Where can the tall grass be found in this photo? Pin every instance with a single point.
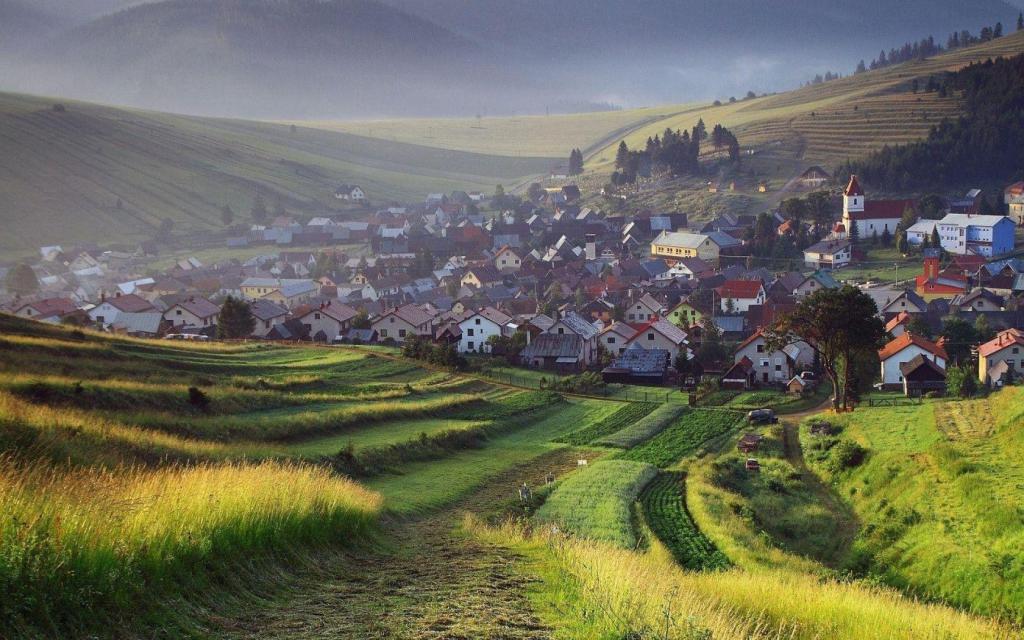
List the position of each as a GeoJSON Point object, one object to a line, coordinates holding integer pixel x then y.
{"type": "Point", "coordinates": [645, 428]}
{"type": "Point", "coordinates": [591, 589]}
{"type": "Point", "coordinates": [82, 546]}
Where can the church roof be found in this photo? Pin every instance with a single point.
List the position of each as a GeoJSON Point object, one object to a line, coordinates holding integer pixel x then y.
{"type": "Point", "coordinates": [853, 189]}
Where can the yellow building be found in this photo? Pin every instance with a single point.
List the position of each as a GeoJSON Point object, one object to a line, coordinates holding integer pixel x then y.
{"type": "Point", "coordinates": [677, 244]}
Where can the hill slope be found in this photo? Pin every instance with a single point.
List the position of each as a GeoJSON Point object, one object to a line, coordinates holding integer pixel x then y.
{"type": "Point", "coordinates": [63, 173]}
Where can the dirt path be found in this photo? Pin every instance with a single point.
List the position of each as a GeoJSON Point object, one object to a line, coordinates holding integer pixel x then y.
{"type": "Point", "coordinates": [431, 582]}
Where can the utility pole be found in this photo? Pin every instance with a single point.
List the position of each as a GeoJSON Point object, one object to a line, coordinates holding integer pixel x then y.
{"type": "Point", "coordinates": [897, 265]}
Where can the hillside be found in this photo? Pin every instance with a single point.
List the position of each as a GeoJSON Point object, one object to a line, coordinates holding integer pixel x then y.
{"type": "Point", "coordinates": [147, 482]}
{"type": "Point", "coordinates": [819, 124]}
{"type": "Point", "coordinates": [63, 173]}
{"type": "Point", "coordinates": [939, 497]}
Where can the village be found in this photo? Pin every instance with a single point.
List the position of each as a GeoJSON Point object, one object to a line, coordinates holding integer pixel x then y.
{"type": "Point", "coordinates": [556, 285]}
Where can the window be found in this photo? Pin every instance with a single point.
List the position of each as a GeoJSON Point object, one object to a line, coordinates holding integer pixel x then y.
{"type": "Point", "coordinates": [760, 348]}
{"type": "Point", "coordinates": [477, 321]}
{"type": "Point", "coordinates": [383, 333]}
{"type": "Point", "coordinates": [778, 367]}
{"type": "Point", "coordinates": [401, 333]}
{"type": "Point", "coordinates": [650, 336]}
{"type": "Point", "coordinates": [391, 320]}
{"type": "Point", "coordinates": [178, 312]}
{"type": "Point", "coordinates": [765, 363]}
{"type": "Point", "coordinates": [611, 340]}
{"type": "Point", "coordinates": [469, 332]}
{"type": "Point", "coordinates": [316, 316]}
{"type": "Point", "coordinates": [469, 345]}
{"type": "Point", "coordinates": [561, 331]}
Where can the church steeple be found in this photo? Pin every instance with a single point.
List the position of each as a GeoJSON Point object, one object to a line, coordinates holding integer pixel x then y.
{"type": "Point", "coordinates": [853, 197]}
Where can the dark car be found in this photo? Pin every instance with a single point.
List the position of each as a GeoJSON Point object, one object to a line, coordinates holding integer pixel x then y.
{"type": "Point", "coordinates": [762, 416]}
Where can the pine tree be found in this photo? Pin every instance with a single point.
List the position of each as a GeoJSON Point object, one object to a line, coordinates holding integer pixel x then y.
{"type": "Point", "coordinates": [227, 216]}
{"type": "Point", "coordinates": [1020, 21]}
{"type": "Point", "coordinates": [259, 209]}
{"type": "Point", "coordinates": [861, 67]}
{"type": "Point", "coordinates": [901, 243]}
{"type": "Point", "coordinates": [622, 156]}
{"type": "Point", "coordinates": [936, 242]}
{"type": "Point", "coordinates": [853, 233]}
{"type": "Point", "coordinates": [235, 319]}
{"type": "Point", "coordinates": [886, 237]}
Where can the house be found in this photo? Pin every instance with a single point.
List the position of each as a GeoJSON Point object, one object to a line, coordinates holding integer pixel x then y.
{"type": "Point", "coordinates": [1015, 210]}
{"type": "Point", "coordinates": [828, 254]}
{"type": "Point", "coordinates": [108, 309]}
{"type": "Point", "coordinates": [615, 337]}
{"type": "Point", "coordinates": [146, 324]}
{"type": "Point", "coordinates": [479, 327]}
{"type": "Point", "coordinates": [637, 365]}
{"type": "Point", "coordinates": [645, 309]}
{"type": "Point", "coordinates": [507, 261]}
{"type": "Point", "coordinates": [989, 236]}
{"type": "Point", "coordinates": [482, 276]}
{"type": "Point", "coordinates": [661, 334]}
{"type": "Point", "coordinates": [934, 281]}
{"type": "Point", "coordinates": [817, 281]}
{"type": "Point", "coordinates": [1013, 192]}
{"type": "Point", "coordinates": [351, 192]}
{"type": "Point", "coordinates": [814, 177]}
{"type": "Point", "coordinates": [327, 321]}
{"type": "Point", "coordinates": [736, 296]}
{"type": "Point", "coordinates": [563, 352]}
{"type": "Point", "coordinates": [267, 315]}
{"type": "Point", "coordinates": [1007, 347]}
{"type": "Point", "coordinates": [907, 301]}
{"type": "Point", "coordinates": [740, 375]}
{"type": "Point", "coordinates": [773, 367]}
{"type": "Point", "coordinates": [686, 313]}
{"type": "Point", "coordinates": [574, 324]}
{"type": "Point", "coordinates": [47, 310]}
{"type": "Point", "coordinates": [978, 299]}
{"type": "Point", "coordinates": [798, 386]}
{"type": "Point", "coordinates": [897, 325]}
{"type": "Point", "coordinates": [921, 232]}
{"type": "Point", "coordinates": [675, 245]}
{"type": "Point", "coordinates": [192, 312]}
{"type": "Point", "coordinates": [402, 323]}
{"type": "Point", "coordinates": [904, 349]}
{"type": "Point", "coordinates": [289, 292]}
{"type": "Point", "coordinates": [689, 269]}
{"type": "Point", "coordinates": [871, 218]}
{"type": "Point", "coordinates": [922, 375]}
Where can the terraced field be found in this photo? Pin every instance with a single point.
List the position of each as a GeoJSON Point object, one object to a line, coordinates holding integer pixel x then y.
{"type": "Point", "coordinates": [664, 507]}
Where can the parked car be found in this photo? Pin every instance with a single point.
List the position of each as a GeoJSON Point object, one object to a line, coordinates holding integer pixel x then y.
{"type": "Point", "coordinates": [762, 416]}
{"type": "Point", "coordinates": [808, 375]}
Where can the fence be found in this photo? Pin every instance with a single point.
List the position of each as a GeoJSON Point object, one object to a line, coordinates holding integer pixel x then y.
{"type": "Point", "coordinates": [894, 402]}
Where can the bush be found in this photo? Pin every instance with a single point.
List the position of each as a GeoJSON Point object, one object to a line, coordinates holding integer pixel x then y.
{"type": "Point", "coordinates": [198, 399]}
{"type": "Point", "coordinates": [846, 455]}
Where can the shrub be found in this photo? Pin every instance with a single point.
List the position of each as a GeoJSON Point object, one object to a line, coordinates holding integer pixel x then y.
{"type": "Point", "coordinates": [198, 399]}
{"type": "Point", "coordinates": [846, 454]}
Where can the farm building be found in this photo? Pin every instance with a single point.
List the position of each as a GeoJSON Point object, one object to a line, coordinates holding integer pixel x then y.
{"type": "Point", "coordinates": [638, 365]}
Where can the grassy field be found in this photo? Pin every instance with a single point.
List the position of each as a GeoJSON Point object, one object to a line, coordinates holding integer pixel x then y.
{"type": "Point", "coordinates": [595, 503]}
{"type": "Point", "coordinates": [592, 589]}
{"type": "Point", "coordinates": [644, 428]}
{"type": "Point", "coordinates": [664, 509]}
{"type": "Point", "coordinates": [684, 437]}
{"type": "Point", "coordinates": [939, 493]}
{"type": "Point", "coordinates": [64, 173]}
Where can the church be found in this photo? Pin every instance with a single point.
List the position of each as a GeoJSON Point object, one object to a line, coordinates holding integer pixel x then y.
{"type": "Point", "coordinates": [872, 218]}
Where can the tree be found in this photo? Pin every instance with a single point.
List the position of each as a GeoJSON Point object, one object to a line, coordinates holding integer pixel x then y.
{"type": "Point", "coordinates": [259, 208]}
{"type": "Point", "coordinates": [711, 348]}
{"type": "Point", "coordinates": [853, 233]}
{"type": "Point", "coordinates": [1020, 21]}
{"type": "Point", "coordinates": [936, 241]}
{"type": "Point", "coordinates": [901, 243]}
{"type": "Point", "coordinates": [982, 329]}
{"type": "Point", "coordinates": [841, 325]}
{"type": "Point", "coordinates": [819, 206]}
{"type": "Point", "coordinates": [22, 280]}
{"type": "Point", "coordinates": [886, 237]}
{"type": "Point", "coordinates": [235, 319]}
{"type": "Point", "coordinates": [227, 216]}
{"type": "Point", "coordinates": [580, 298]}
{"type": "Point", "coordinates": [919, 326]}
{"type": "Point", "coordinates": [908, 219]}
{"type": "Point", "coordinates": [535, 192]}
{"type": "Point", "coordinates": [997, 31]}
{"type": "Point", "coordinates": [575, 162]}
{"type": "Point", "coordinates": [361, 320]}
{"type": "Point", "coordinates": [959, 336]}
{"type": "Point", "coordinates": [622, 156]}
{"type": "Point", "coordinates": [861, 67]}
{"type": "Point", "coordinates": [960, 381]}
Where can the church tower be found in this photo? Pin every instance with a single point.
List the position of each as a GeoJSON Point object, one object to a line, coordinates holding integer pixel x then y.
{"type": "Point", "coordinates": [853, 197]}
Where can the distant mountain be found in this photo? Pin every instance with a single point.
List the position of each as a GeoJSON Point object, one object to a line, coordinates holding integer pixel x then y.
{"type": "Point", "coordinates": [260, 58]}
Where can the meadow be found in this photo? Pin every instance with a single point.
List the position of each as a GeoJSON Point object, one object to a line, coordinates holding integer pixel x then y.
{"type": "Point", "coordinates": [644, 428]}
{"type": "Point", "coordinates": [684, 437]}
{"type": "Point", "coordinates": [938, 492]}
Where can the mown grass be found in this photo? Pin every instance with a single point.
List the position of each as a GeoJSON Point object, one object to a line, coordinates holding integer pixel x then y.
{"type": "Point", "coordinates": [82, 548]}
{"type": "Point", "coordinates": [596, 502]}
{"type": "Point", "coordinates": [684, 437]}
{"type": "Point", "coordinates": [939, 493]}
{"type": "Point", "coordinates": [592, 589]}
{"type": "Point", "coordinates": [644, 428]}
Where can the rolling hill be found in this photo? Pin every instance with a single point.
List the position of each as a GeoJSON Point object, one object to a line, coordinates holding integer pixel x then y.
{"type": "Point", "coordinates": [64, 172]}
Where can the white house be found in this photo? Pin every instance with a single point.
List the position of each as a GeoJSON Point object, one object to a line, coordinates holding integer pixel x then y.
{"type": "Point", "coordinates": [507, 260]}
{"type": "Point", "coordinates": [873, 218]}
{"type": "Point", "coordinates": [615, 337]}
{"type": "Point", "coordinates": [904, 349]}
{"type": "Point", "coordinates": [193, 312]}
{"type": "Point", "coordinates": [352, 192]}
{"type": "Point", "coordinates": [267, 315]}
{"type": "Point", "coordinates": [963, 233]}
{"type": "Point", "coordinates": [478, 328]}
{"type": "Point", "coordinates": [815, 282]}
{"type": "Point", "coordinates": [324, 323]}
{"type": "Point", "coordinates": [739, 295]}
{"type": "Point", "coordinates": [645, 309]}
{"type": "Point", "coordinates": [773, 367]}
{"type": "Point", "coordinates": [106, 312]}
{"type": "Point", "coordinates": [574, 324]}
{"type": "Point", "coordinates": [662, 334]}
{"type": "Point", "coordinates": [828, 254]}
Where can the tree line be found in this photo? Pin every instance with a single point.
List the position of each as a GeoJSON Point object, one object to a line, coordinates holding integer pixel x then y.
{"type": "Point", "coordinates": [985, 143]}
{"type": "Point", "coordinates": [927, 47]}
{"type": "Point", "coordinates": [677, 152]}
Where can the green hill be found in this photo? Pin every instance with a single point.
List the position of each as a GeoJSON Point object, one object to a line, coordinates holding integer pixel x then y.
{"type": "Point", "coordinates": [64, 172]}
